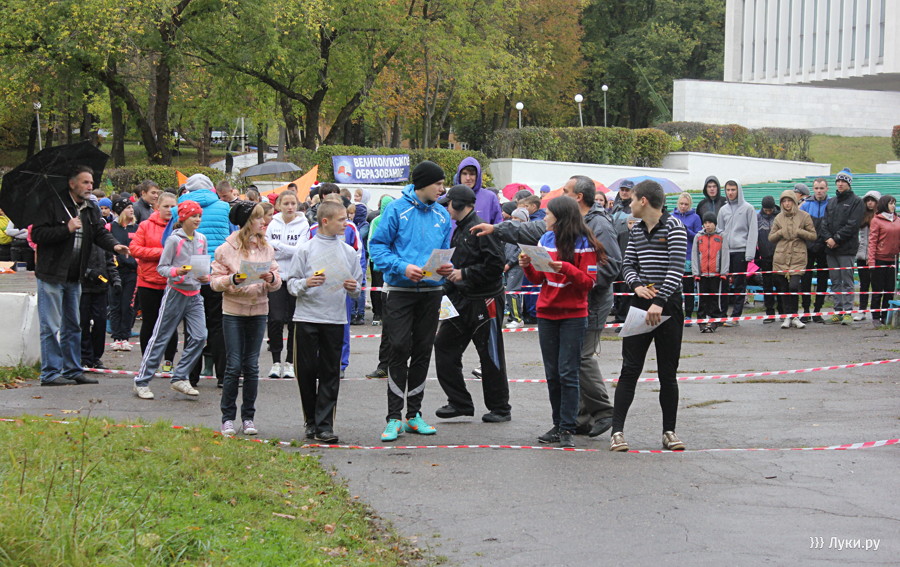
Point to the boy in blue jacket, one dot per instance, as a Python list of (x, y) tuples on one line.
[(410, 228)]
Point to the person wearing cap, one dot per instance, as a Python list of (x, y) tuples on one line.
[(476, 289), (622, 204), (487, 204), (840, 232), (411, 228), (816, 262), (870, 200), (121, 308), (181, 302), (765, 252), (215, 226)]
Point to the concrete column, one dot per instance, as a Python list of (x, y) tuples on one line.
[(772, 41), (874, 36), (821, 46), (891, 41), (734, 40), (759, 35), (834, 45), (749, 13), (797, 42)]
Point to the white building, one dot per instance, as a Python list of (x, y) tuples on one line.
[(830, 66)]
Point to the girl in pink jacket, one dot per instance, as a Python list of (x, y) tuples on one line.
[(245, 272)]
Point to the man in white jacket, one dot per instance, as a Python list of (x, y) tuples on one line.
[(738, 221)]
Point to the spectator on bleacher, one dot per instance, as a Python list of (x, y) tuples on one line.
[(840, 232), (884, 246), (802, 192), (738, 221), (713, 201), (693, 225), (765, 252), (816, 261), (710, 265), (862, 253), (791, 228)]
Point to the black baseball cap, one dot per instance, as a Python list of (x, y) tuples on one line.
[(458, 193)]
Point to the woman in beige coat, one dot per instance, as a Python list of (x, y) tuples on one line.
[(791, 229)]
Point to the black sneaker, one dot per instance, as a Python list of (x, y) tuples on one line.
[(98, 364), (496, 417), (448, 411), (805, 319), (567, 439), (602, 426), (326, 436), (551, 436), (377, 373), (59, 382), (82, 379), (815, 319), (310, 431)]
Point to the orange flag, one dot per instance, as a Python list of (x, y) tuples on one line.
[(180, 177), (303, 184)]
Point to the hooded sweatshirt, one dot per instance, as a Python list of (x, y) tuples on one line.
[(214, 223), (711, 204), (408, 232), (176, 253), (765, 247), (691, 221), (738, 221), (487, 205), (285, 238), (322, 304)]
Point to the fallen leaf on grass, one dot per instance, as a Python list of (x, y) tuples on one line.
[(328, 529), (71, 411), (37, 397), (286, 516), (48, 415)]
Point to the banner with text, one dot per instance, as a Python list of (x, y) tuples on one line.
[(371, 169)]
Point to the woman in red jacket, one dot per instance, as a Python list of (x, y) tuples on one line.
[(562, 309), (147, 247), (884, 246)]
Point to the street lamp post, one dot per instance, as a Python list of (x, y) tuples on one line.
[(37, 113), (604, 88), (519, 107), (578, 99)]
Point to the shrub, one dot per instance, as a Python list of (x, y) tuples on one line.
[(895, 140), (618, 146), (126, 178), (447, 159), (732, 139)]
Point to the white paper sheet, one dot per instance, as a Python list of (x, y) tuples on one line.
[(199, 265), (448, 311), (253, 270), (540, 257), (335, 272), (636, 323), (439, 257)]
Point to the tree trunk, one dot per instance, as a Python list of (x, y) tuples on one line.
[(260, 150), (311, 124), (48, 138), (396, 132), (203, 157), (32, 138), (118, 131), (291, 123)]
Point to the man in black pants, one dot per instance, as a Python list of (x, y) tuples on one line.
[(653, 266), (476, 289)]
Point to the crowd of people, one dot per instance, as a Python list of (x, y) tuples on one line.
[(231, 271)]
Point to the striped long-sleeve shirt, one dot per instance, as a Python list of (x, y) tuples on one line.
[(657, 257)]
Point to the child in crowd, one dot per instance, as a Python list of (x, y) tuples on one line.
[(562, 309), (357, 212), (792, 229), (253, 196), (287, 231), (862, 253), (709, 263), (514, 276), (320, 316), (121, 308), (106, 213), (693, 225), (181, 301), (765, 252), (244, 309), (884, 246)]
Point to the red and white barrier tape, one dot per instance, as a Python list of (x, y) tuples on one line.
[(844, 447), (543, 381)]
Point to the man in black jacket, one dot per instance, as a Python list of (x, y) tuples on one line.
[(840, 232), (476, 289), (67, 228)]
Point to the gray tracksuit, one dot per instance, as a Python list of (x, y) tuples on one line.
[(181, 302), (320, 304)]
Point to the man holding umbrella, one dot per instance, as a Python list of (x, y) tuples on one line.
[(65, 229)]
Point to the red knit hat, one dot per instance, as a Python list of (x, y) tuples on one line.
[(187, 209)]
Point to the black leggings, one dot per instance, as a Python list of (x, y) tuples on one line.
[(151, 299), (865, 284), (281, 312), (782, 285), (883, 281)]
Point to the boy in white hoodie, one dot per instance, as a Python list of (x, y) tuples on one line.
[(738, 221), (286, 232), (320, 316)]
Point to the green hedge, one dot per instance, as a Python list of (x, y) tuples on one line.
[(614, 146), (731, 139), (895, 141), (126, 178), (447, 159)]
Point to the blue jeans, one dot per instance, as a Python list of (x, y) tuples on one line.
[(561, 341), (243, 339), (58, 310)]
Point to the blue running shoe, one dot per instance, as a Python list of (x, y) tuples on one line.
[(418, 425), (392, 430)]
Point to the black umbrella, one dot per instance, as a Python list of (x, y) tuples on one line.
[(43, 176), (269, 167)]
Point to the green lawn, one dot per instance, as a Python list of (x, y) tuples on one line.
[(95, 492), (859, 154)]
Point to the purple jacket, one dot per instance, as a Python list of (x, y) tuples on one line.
[(487, 205)]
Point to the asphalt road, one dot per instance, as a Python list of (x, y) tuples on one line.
[(527, 507)]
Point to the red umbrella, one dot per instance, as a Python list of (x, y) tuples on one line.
[(514, 188)]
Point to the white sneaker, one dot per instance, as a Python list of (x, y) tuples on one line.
[(859, 317), (185, 388), (798, 324), (248, 427), (125, 346), (228, 427), (787, 323), (143, 392), (115, 345), (287, 371), (276, 371), (515, 325)]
